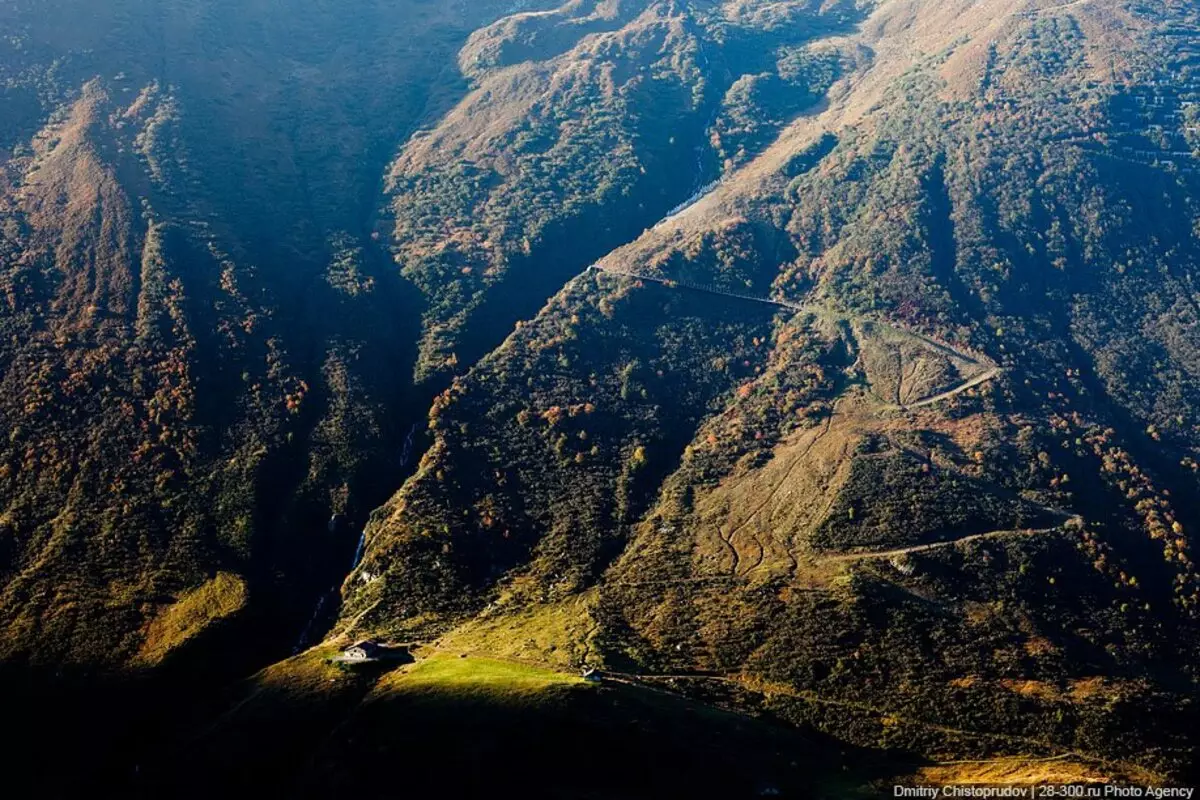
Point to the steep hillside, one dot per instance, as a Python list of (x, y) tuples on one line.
[(832, 363), (478, 727), (205, 354), (931, 491), (583, 126)]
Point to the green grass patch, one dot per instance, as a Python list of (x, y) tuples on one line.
[(554, 634), (221, 597), (482, 679)]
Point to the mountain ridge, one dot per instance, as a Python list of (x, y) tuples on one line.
[(729, 236), (832, 363)]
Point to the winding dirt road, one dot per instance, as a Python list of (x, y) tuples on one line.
[(982, 377), (988, 374), (924, 548)]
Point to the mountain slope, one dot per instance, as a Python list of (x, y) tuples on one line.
[(929, 500), (583, 125), (204, 352), (833, 363)]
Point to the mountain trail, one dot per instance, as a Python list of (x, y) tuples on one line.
[(924, 548)]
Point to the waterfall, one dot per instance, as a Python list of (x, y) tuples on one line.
[(406, 452), (302, 642), (358, 551)]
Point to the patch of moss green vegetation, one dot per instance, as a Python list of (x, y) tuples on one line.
[(560, 633), (309, 672), (479, 679)]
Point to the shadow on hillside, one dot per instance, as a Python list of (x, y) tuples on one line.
[(563, 742)]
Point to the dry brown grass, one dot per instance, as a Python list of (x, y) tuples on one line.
[(1014, 771), (755, 522), (1031, 688), (79, 213)]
